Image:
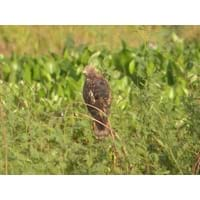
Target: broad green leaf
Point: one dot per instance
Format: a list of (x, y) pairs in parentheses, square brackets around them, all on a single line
[(27, 73), (132, 67)]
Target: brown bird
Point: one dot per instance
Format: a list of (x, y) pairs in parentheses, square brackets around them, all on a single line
[(97, 96)]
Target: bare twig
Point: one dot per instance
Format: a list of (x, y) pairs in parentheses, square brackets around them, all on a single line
[(196, 166)]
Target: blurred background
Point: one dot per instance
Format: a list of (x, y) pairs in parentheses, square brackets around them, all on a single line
[(44, 39)]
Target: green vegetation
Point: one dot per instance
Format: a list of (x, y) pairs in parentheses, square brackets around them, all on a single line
[(37, 40), (46, 129)]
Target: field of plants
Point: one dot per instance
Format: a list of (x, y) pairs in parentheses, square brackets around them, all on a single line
[(46, 128)]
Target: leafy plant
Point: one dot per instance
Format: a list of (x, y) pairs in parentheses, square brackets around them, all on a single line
[(45, 127)]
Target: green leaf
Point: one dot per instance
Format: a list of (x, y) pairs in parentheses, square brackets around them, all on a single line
[(36, 73), (150, 68), (84, 57), (27, 73), (132, 67), (170, 74), (171, 93)]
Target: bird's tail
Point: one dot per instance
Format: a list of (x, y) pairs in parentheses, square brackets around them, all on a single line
[(101, 130)]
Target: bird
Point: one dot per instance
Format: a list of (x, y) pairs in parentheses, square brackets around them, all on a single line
[(97, 97)]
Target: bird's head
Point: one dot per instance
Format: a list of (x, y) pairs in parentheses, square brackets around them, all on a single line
[(89, 71)]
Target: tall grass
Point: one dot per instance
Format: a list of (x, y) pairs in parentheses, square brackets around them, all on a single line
[(46, 129), (155, 137)]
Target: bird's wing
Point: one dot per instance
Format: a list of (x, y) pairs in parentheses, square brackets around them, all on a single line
[(101, 93)]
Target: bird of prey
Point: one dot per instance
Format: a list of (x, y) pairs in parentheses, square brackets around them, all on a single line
[(97, 96)]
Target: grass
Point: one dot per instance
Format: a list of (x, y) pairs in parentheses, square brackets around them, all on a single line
[(35, 39), (155, 138), (46, 129)]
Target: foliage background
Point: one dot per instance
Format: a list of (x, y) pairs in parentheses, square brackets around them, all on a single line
[(154, 75)]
